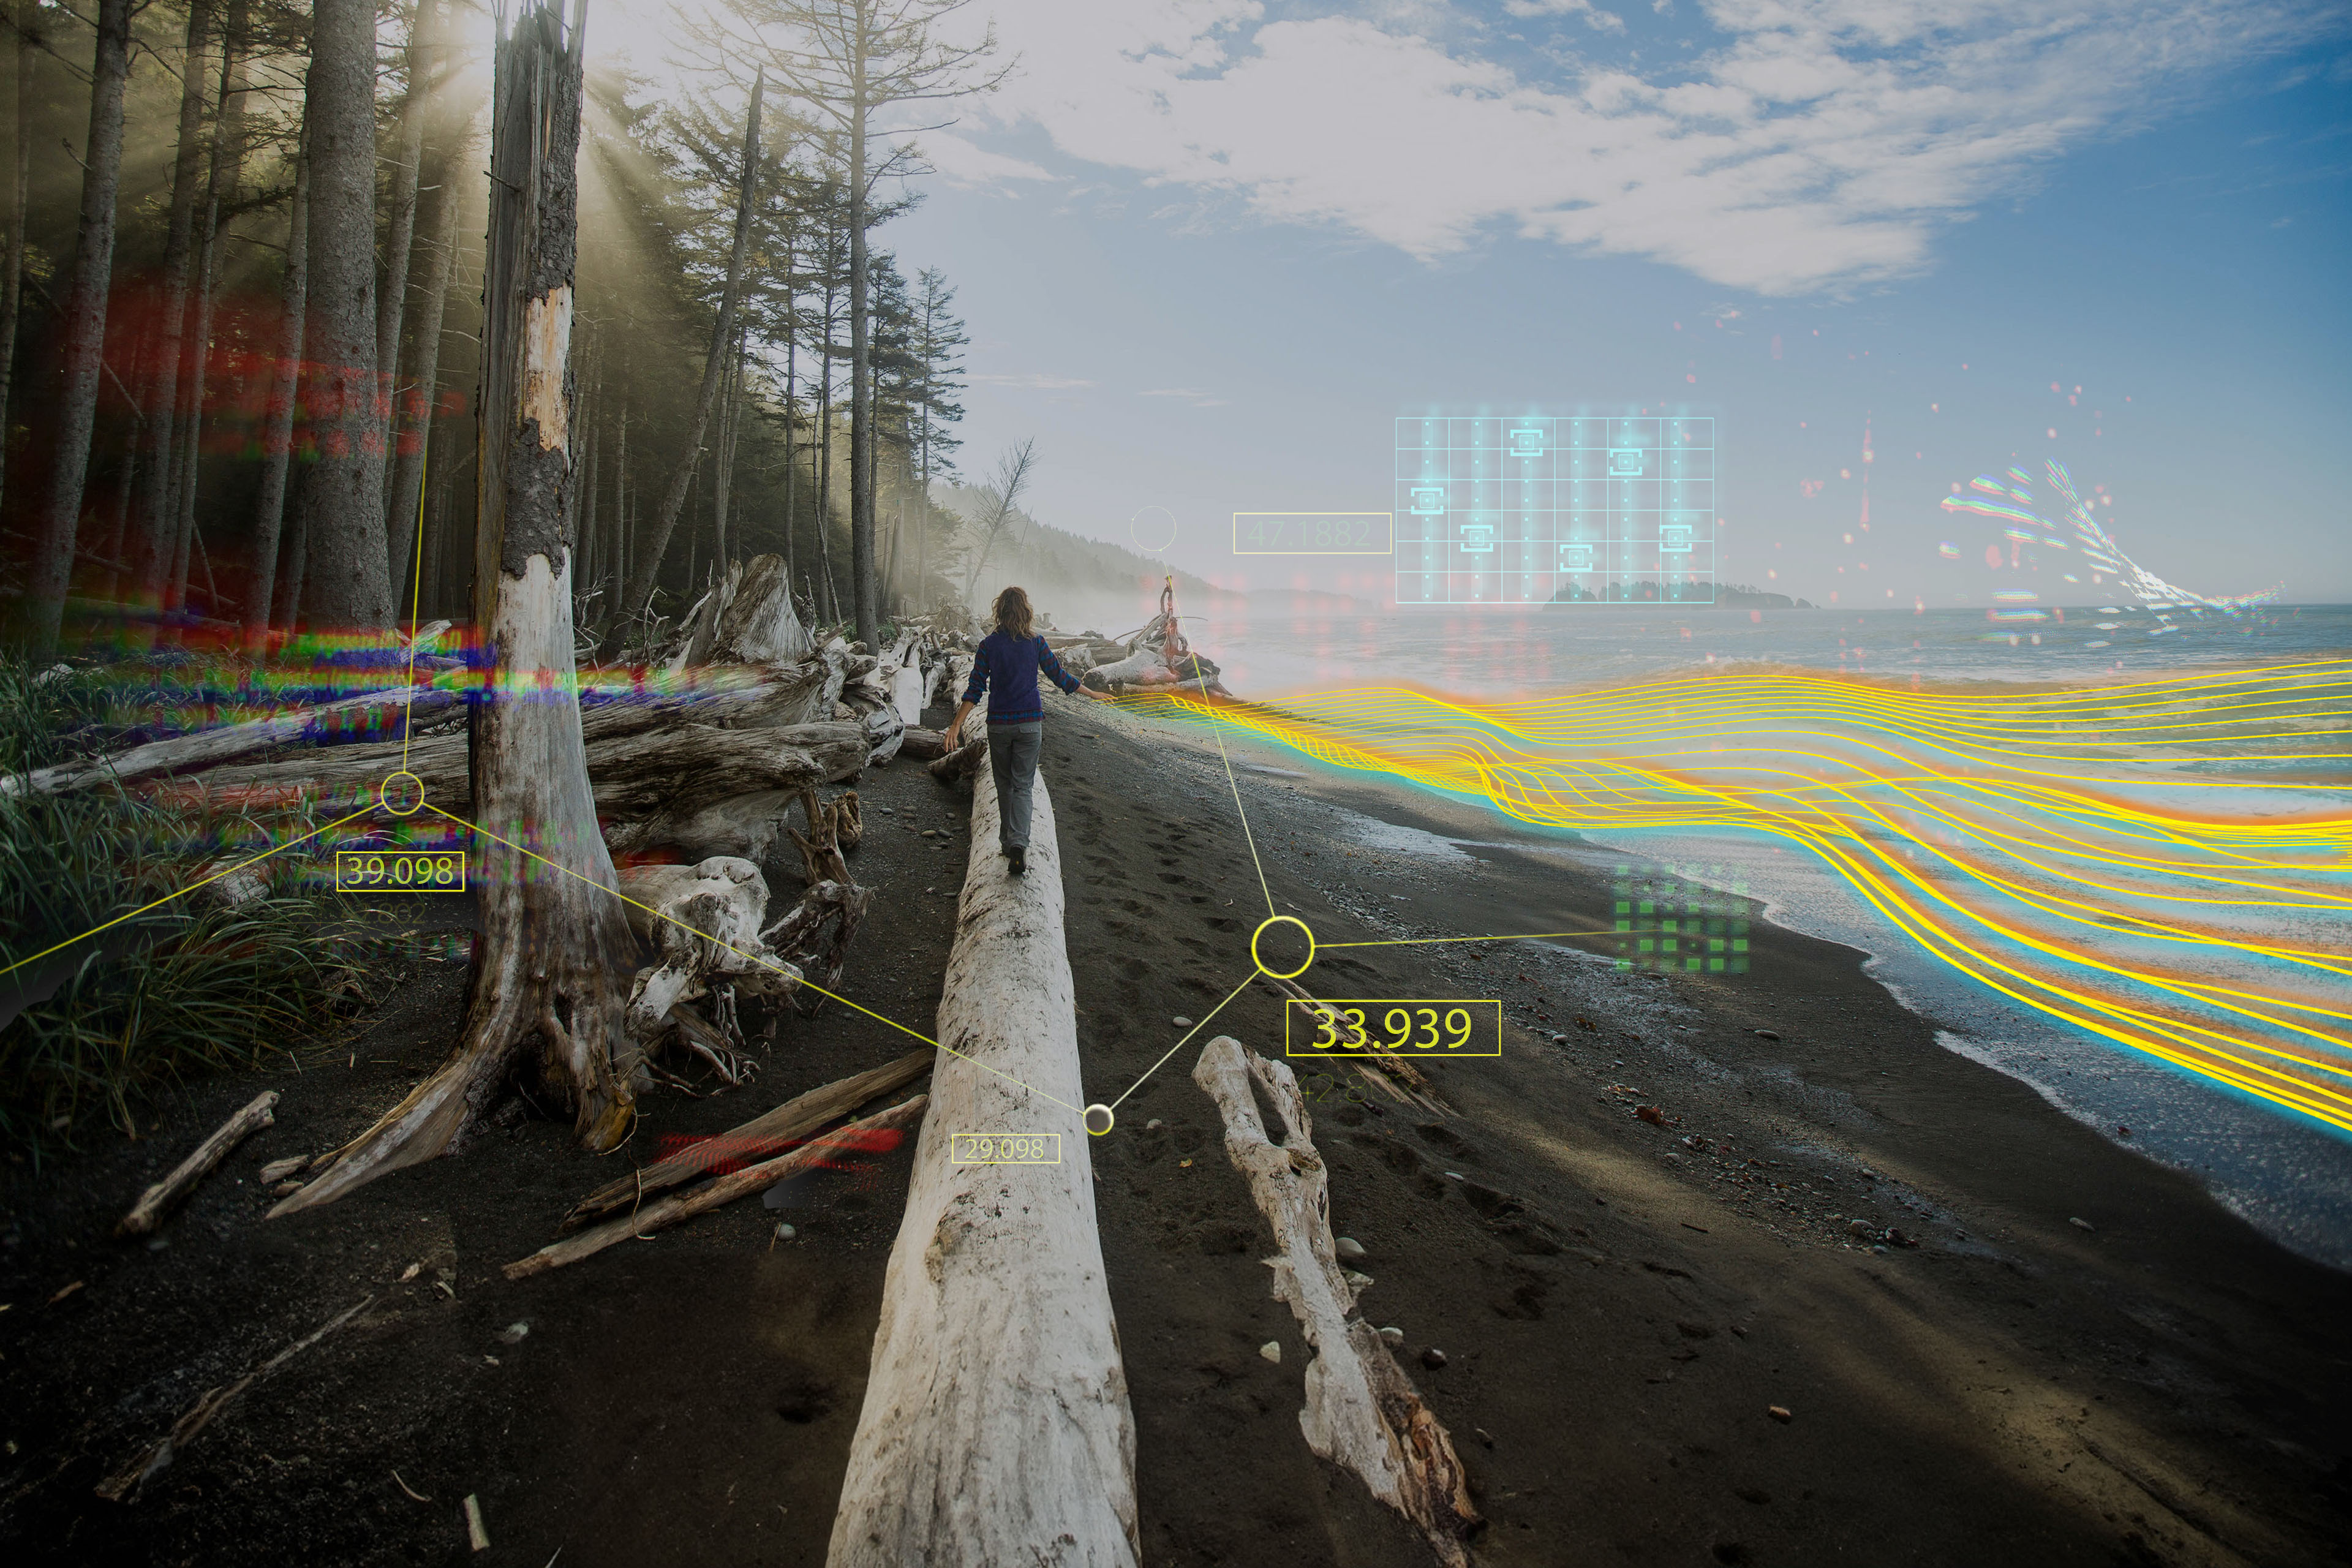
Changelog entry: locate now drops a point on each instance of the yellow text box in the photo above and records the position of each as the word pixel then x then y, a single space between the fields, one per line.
pixel 1359 1026
pixel 1004 1148
pixel 400 870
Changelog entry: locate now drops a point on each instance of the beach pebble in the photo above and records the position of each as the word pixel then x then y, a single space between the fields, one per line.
pixel 1361 1281
pixel 1559 1039
pixel 1392 1334
pixel 512 1334
pixel 2079 1224
pixel 1765 1034
pixel 1432 1358
pixel 1154 1125
pixel 1350 1249
pixel 1779 1412
pixel 1181 1023
pixel 1272 1351
pixel 785 1232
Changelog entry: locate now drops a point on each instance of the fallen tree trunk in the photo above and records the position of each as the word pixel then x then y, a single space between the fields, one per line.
pixel 996 1428
pixel 1362 1410
pixel 641 763
pixel 859 1136
pixel 761 1136
pixel 160 1199
pixel 921 745
pixel 207 748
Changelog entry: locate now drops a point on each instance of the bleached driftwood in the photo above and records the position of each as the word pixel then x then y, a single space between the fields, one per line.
pixel 996 1428
pixel 748 617
pixel 164 1196
pixel 909 687
pixel 922 745
pixel 857 1137
pixel 763 1137
pixel 821 848
pixel 206 748
pixel 1361 1413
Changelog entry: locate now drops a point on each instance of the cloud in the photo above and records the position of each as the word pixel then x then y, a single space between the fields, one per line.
pixel 1583 10
pixel 961 161
pixel 1032 380
pixel 1806 145
pixel 1193 395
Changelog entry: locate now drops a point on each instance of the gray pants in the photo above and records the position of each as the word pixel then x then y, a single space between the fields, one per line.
pixel 1012 761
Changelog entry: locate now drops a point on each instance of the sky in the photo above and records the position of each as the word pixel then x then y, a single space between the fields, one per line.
pixel 1209 251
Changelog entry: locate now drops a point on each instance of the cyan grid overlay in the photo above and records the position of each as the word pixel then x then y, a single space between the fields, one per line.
pixel 1586 508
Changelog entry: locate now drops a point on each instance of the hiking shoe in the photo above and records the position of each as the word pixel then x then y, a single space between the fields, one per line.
pixel 1020 860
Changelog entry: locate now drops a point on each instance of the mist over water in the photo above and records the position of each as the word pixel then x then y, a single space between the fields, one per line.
pixel 2289 1175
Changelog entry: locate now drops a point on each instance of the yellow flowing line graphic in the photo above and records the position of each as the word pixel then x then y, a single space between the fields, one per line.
pixel 2166 864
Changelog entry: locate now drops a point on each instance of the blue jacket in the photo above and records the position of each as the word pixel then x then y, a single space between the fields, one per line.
pixel 1010 666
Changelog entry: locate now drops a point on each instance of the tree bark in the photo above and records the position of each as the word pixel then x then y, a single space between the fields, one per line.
pixel 11 284
pixel 714 370
pixel 996 1427
pixel 82 343
pixel 861 392
pixel 156 527
pixel 277 430
pixel 399 234
pixel 342 489
pixel 226 168
pixel 553 943
pixel 407 506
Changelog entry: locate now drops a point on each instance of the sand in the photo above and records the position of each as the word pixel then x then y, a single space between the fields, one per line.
pixel 1619 1304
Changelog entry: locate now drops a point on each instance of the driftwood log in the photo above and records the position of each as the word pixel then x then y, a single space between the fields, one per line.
pixel 642 763
pixel 207 748
pixel 821 847
pixel 966 761
pixel 858 1136
pixel 921 745
pixel 164 1196
pixel 761 1138
pixel 1362 1413
pixel 996 1428
pixel 124 1485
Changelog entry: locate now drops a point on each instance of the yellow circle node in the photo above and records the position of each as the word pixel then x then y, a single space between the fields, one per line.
pixel 1099 1119
pixel 403 792
pixel 1283 920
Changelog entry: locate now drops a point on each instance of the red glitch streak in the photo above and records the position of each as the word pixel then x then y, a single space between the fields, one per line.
pixel 723 1151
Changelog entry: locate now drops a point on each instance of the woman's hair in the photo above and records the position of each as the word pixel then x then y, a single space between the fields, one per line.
pixel 1013 615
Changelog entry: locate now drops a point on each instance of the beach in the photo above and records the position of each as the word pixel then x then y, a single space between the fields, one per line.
pixel 1620 1305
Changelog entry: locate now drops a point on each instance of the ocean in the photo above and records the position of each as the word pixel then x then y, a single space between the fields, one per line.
pixel 2289 1174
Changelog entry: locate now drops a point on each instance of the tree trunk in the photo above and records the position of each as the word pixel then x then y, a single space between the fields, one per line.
pixel 824 451
pixel 861 398
pixel 342 489
pixel 12 285
pixel 399 234
pixel 157 527
pixel 996 1427
pixel 714 370
pixel 82 343
pixel 278 432
pixel 550 963
pixel 791 442
pixel 227 167
pixel 722 477
pixel 407 505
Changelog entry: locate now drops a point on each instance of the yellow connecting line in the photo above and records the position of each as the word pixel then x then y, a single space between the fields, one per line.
pixel 2011 835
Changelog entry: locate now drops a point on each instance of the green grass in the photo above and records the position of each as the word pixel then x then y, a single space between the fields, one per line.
pixel 186 987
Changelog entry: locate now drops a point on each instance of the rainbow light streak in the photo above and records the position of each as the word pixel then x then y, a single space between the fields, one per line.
pixel 2000 831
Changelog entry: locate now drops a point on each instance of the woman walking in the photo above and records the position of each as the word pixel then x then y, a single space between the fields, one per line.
pixel 1006 669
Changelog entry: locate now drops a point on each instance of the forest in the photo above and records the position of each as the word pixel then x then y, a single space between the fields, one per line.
pixel 242 312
